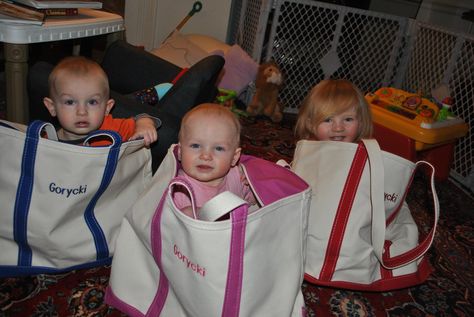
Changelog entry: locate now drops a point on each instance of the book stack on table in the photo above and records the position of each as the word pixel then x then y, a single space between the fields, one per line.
pixel 36 11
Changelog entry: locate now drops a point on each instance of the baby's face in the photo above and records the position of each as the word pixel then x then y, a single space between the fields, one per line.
pixel 208 148
pixel 341 127
pixel 80 103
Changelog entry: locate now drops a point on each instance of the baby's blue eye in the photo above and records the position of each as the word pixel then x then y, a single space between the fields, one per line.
pixel 93 102
pixel 220 148
pixel 194 146
pixel 69 102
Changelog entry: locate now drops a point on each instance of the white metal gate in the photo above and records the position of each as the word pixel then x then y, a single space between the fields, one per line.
pixel 313 40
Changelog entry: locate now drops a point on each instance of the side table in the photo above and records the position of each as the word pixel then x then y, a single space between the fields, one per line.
pixel 17 37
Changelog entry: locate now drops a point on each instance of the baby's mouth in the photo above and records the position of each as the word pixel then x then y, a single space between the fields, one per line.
pixel 204 167
pixel 82 124
pixel 337 138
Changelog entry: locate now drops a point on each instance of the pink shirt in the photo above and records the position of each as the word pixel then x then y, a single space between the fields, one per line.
pixel 203 192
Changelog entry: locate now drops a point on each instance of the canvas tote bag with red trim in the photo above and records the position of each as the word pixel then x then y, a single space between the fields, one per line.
pixel 361 234
pixel 170 264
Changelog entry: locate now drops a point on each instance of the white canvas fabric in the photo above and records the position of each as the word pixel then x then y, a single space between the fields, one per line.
pixel 62 204
pixel 361 234
pixel 169 264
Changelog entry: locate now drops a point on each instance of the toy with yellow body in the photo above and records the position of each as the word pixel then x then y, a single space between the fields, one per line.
pixel 413 116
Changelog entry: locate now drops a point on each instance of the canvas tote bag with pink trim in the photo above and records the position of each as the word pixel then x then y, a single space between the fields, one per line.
pixel 170 264
pixel 361 234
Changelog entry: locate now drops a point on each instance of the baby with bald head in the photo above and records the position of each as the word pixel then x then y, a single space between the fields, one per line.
pixel 209 151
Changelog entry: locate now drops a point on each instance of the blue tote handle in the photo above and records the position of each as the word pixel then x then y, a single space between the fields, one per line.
pixel 24 192
pixel 99 237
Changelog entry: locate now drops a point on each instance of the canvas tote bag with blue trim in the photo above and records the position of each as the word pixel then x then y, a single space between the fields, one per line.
pixel 169 264
pixel 62 204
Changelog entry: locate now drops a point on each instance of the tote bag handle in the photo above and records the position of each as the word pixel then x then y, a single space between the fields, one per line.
pixel 25 190
pixel 220 205
pixel 39 128
pixel 377 177
pixel 424 245
pixel 378 210
pixel 376 174
pixel 214 208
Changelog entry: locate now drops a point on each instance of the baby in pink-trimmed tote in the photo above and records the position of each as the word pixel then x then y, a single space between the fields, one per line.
pixel 209 151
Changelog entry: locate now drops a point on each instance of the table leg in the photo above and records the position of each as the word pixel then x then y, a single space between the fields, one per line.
pixel 112 37
pixel 16 70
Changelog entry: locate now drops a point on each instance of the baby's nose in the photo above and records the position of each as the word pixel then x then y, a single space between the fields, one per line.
pixel 81 109
pixel 205 155
pixel 338 125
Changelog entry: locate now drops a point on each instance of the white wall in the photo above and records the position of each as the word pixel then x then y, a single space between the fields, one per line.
pixel 442 13
pixel 447 14
pixel 404 8
pixel 140 18
pixel 148 22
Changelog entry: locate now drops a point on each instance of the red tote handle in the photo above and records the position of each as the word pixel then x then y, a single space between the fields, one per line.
pixel 418 251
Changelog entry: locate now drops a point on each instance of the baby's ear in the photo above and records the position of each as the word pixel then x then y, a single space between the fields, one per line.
pixel 49 104
pixel 179 151
pixel 108 107
pixel 236 157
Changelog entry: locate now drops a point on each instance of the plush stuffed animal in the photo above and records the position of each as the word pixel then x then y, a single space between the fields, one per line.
pixel 265 101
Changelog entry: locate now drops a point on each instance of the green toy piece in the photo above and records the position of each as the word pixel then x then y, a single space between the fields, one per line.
pixel 226 98
pixel 445 111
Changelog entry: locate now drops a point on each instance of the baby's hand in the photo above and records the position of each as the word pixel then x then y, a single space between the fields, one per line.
pixel 145 128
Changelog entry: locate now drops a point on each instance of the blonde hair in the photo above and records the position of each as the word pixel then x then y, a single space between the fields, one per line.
pixel 328 98
pixel 216 110
pixel 77 66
